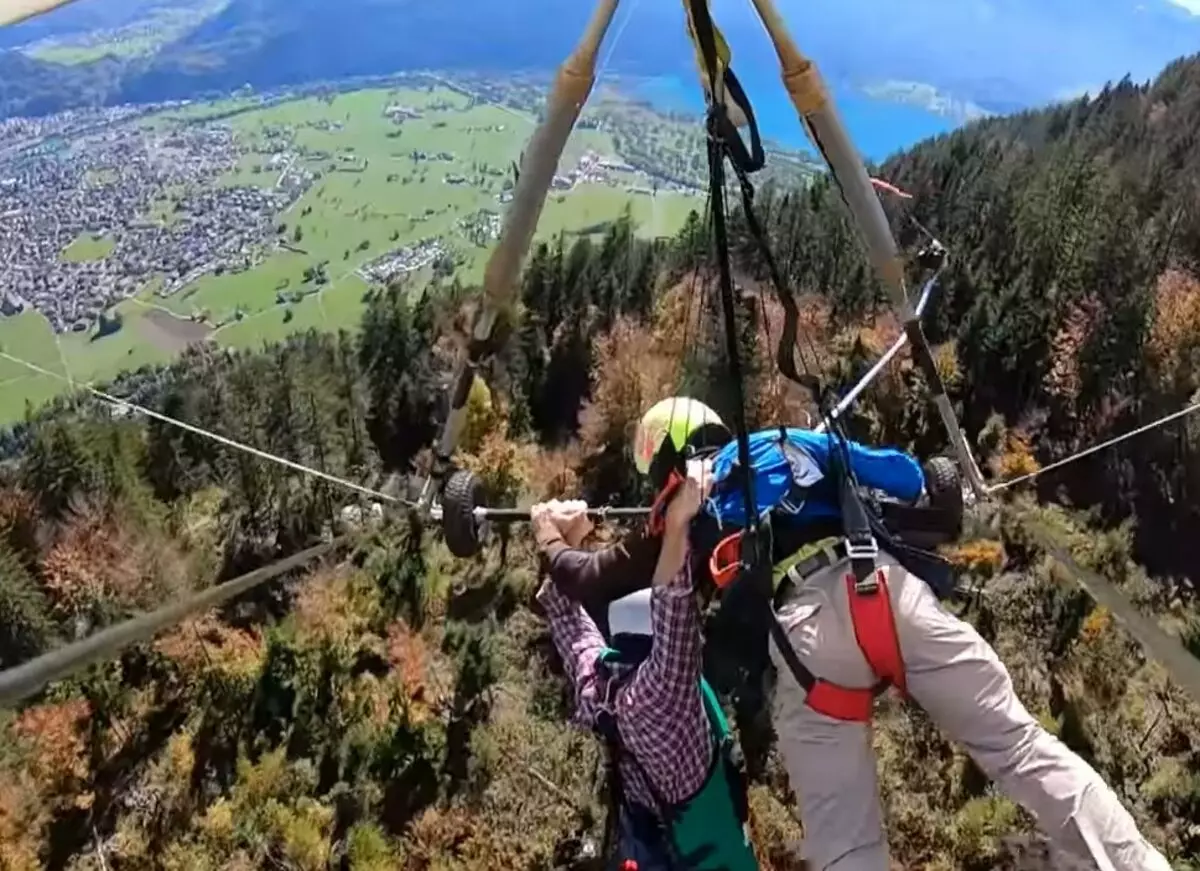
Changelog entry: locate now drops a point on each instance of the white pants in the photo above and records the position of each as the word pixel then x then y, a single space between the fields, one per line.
pixel 960 682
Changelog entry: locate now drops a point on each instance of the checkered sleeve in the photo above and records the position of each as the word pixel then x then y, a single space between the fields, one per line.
pixel 662 711
pixel 578 642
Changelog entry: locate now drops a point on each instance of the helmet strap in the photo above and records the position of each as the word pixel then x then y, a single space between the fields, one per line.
pixel 666 461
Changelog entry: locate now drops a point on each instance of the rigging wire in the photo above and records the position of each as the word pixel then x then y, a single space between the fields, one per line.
pixel 217 437
pixel 1162 421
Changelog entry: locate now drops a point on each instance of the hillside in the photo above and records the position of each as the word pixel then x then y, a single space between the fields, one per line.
pixel 34 87
pixel 267 43
pixel 393 707
pixel 1070 297
pixel 81 18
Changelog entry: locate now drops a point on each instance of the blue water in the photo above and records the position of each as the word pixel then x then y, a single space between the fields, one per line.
pixel 879 128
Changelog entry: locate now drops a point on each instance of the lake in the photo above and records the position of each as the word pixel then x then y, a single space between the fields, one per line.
pixel 879 128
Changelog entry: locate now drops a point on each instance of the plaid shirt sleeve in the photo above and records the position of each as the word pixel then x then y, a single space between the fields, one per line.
pixel 661 713
pixel 579 643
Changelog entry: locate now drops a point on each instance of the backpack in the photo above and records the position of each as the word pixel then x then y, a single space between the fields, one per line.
pixel 708 831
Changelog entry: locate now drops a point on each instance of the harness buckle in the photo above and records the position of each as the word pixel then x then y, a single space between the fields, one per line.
pixel 866 586
pixel 864 549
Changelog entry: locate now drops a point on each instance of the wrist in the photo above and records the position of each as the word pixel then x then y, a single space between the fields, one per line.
pixel 677 532
pixel 545 531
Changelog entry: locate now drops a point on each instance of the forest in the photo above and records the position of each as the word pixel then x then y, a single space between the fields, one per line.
pixel 391 707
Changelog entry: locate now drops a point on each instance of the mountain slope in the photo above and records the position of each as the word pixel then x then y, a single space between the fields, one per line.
pixel 76 18
pixel 404 709
pixel 267 43
pixel 34 87
pixel 1072 234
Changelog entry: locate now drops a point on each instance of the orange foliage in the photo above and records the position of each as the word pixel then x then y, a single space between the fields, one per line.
pixel 96 559
pixel 982 556
pixel 780 400
pixel 18 827
pixel 437 833
pixel 1063 380
pixel 56 745
pixel 814 331
pixel 1173 349
pixel 555 476
pixel 325 609
pixel 81 568
pixel 880 335
pixel 407 653
pixel 375 697
pixel 1096 624
pixel 633 372
pixel 814 321
pixel 502 465
pixel 1017 458
pixel 677 314
pixel 201 643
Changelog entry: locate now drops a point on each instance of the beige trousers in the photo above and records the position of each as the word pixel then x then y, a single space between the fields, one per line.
pixel 960 682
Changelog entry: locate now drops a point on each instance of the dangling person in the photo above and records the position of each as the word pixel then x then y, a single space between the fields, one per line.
pixel 679 799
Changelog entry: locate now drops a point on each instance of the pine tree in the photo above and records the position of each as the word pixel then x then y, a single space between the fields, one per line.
pixel 26 629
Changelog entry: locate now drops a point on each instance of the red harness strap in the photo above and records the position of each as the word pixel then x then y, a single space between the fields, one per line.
pixel 875 632
pixel 870 614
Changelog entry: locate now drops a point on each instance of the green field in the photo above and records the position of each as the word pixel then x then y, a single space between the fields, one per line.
pixel 82 54
pixel 70 357
pixel 88 247
pixel 372 196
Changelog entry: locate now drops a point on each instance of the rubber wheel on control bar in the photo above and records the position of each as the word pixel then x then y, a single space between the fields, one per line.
pixel 943 485
pixel 462 494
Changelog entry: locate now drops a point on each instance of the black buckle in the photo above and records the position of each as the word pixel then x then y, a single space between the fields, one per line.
pixel 863 550
pixel 867 586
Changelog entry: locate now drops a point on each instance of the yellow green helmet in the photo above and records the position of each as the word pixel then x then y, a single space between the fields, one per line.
pixel 680 422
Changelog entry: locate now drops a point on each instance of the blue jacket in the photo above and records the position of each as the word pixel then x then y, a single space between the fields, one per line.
pixel 795 479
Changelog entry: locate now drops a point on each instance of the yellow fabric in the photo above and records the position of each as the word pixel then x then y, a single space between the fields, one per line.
pixel 12 11
pixel 781 568
pixel 723 54
pixel 676 417
pixel 717 88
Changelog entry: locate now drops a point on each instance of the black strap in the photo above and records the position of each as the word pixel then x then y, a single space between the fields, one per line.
pixel 615 795
pixel 791 659
pixel 606 728
pixel 921 518
pixel 786 350
pixel 861 546
pixel 790 583
pixel 744 160
pixel 721 757
pixel 725 130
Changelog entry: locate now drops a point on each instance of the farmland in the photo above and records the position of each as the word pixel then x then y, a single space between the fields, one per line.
pixel 372 184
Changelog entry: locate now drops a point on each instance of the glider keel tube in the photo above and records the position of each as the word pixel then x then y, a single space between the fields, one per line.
pixel 572 85
pixel 804 85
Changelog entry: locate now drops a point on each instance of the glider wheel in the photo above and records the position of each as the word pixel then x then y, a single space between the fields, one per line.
pixel 943 485
pixel 462 494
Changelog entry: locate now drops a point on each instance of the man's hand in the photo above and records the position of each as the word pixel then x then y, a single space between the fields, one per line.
pixel 573 521
pixel 690 496
pixel 568 518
